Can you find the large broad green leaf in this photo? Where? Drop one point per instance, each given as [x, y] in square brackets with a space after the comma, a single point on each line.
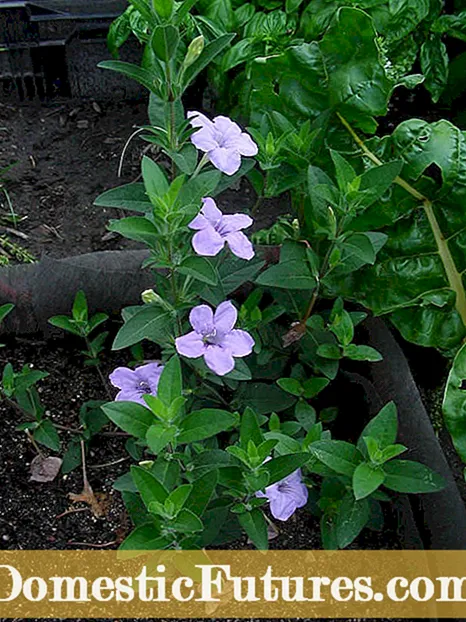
[454, 403]
[130, 417]
[343, 71]
[395, 19]
[204, 423]
[411, 477]
[434, 65]
[419, 275]
[149, 322]
[143, 76]
[130, 197]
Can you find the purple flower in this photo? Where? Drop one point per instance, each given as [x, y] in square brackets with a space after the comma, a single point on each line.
[286, 496]
[214, 230]
[214, 338]
[134, 384]
[222, 140]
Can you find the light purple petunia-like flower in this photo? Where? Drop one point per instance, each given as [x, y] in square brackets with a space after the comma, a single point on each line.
[215, 338]
[222, 140]
[286, 496]
[134, 384]
[214, 230]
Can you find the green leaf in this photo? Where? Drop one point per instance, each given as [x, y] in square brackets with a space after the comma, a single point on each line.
[135, 228]
[204, 423]
[128, 197]
[314, 386]
[281, 467]
[329, 351]
[434, 65]
[46, 434]
[187, 522]
[288, 275]
[250, 429]
[366, 479]
[159, 436]
[72, 458]
[411, 477]
[352, 518]
[344, 171]
[5, 310]
[264, 398]
[150, 322]
[149, 487]
[305, 414]
[164, 8]
[211, 50]
[155, 181]
[383, 428]
[292, 5]
[135, 508]
[360, 245]
[144, 538]
[199, 268]
[171, 382]
[165, 41]
[143, 76]
[424, 253]
[362, 353]
[65, 323]
[291, 385]
[179, 496]
[341, 457]
[203, 490]
[454, 403]
[255, 527]
[130, 417]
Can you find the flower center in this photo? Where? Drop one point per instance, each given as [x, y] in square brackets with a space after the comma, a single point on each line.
[144, 387]
[210, 338]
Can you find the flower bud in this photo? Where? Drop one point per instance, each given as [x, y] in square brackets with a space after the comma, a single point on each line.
[149, 296]
[195, 49]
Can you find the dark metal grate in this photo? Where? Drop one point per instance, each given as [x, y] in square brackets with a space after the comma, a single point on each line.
[50, 48]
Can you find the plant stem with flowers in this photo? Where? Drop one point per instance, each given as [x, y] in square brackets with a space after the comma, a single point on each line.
[246, 440]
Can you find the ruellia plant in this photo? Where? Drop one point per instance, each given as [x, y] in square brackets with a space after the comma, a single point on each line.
[227, 423]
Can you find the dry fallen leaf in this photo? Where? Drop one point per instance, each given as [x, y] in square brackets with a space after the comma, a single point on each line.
[97, 502]
[44, 469]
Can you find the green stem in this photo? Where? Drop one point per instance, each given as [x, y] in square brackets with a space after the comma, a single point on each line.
[203, 161]
[453, 275]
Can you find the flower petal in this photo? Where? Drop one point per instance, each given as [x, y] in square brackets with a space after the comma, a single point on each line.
[201, 319]
[208, 242]
[225, 317]
[191, 345]
[235, 222]
[226, 160]
[197, 119]
[229, 130]
[124, 378]
[204, 139]
[219, 359]
[239, 342]
[131, 396]
[199, 222]
[150, 374]
[240, 245]
[246, 146]
[283, 506]
[211, 211]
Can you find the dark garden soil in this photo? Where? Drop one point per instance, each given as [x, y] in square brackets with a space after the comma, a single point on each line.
[40, 516]
[65, 155]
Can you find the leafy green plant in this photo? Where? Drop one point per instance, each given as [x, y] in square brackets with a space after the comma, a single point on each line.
[81, 325]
